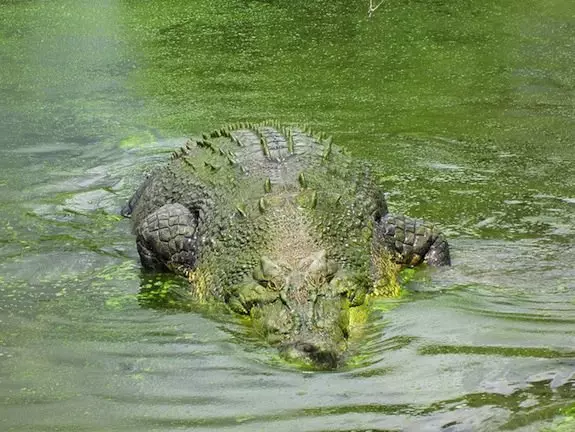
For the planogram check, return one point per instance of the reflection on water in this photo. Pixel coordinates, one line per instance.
(467, 110)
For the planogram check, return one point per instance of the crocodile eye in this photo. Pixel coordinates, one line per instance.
(318, 266)
(268, 273)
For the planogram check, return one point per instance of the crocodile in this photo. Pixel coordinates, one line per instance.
(283, 227)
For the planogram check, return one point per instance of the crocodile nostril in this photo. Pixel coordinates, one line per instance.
(317, 354)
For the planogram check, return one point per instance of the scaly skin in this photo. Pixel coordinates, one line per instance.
(283, 227)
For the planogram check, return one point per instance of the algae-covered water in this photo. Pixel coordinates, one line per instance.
(467, 107)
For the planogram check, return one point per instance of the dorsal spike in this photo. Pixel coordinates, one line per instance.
(328, 151)
(189, 163)
(290, 144)
(207, 144)
(205, 136)
(265, 147)
(211, 166)
(302, 180)
(268, 185)
(313, 202)
(241, 209)
(262, 206)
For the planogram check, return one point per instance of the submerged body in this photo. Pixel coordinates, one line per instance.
(281, 226)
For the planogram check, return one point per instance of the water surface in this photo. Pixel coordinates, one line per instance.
(467, 108)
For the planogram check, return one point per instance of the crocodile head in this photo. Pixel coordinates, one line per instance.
(302, 308)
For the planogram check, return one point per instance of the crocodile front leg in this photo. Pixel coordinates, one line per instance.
(411, 241)
(167, 240)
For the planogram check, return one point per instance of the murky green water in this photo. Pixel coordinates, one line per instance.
(469, 108)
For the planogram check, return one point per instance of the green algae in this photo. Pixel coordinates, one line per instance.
(566, 422)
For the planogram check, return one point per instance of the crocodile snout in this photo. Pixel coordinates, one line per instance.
(312, 353)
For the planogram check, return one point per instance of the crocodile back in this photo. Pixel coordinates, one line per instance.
(267, 189)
